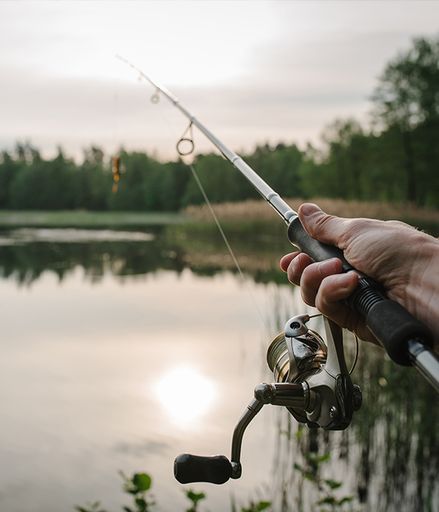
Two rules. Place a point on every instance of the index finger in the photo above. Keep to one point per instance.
(287, 259)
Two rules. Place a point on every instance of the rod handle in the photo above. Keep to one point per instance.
(391, 324)
(194, 468)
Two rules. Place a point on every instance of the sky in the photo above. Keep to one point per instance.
(254, 72)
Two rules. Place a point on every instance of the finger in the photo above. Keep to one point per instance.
(313, 276)
(286, 260)
(297, 266)
(326, 228)
(329, 301)
(333, 289)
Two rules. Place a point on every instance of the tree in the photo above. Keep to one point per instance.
(407, 99)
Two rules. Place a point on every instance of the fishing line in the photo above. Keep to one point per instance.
(357, 346)
(216, 220)
(357, 350)
(187, 138)
(226, 240)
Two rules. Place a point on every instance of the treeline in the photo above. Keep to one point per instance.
(397, 159)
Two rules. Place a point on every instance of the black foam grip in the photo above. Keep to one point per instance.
(193, 468)
(394, 327)
(389, 322)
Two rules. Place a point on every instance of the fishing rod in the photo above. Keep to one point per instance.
(311, 376)
(407, 341)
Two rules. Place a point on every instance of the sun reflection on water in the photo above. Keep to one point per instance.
(185, 394)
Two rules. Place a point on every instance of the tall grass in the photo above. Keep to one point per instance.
(258, 209)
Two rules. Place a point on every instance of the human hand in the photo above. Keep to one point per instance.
(403, 260)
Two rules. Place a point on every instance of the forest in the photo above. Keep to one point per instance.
(395, 159)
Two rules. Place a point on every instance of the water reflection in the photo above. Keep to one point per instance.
(122, 255)
(185, 394)
(71, 236)
(94, 346)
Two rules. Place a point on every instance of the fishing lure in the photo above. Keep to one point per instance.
(115, 170)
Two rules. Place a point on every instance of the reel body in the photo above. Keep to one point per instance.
(311, 381)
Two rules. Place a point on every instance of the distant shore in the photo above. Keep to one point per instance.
(86, 219)
(243, 213)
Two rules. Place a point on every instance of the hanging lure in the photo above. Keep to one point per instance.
(116, 171)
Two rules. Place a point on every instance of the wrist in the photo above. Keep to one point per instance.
(423, 288)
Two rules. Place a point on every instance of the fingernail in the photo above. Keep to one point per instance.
(307, 209)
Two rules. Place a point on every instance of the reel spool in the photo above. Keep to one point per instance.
(296, 353)
(311, 381)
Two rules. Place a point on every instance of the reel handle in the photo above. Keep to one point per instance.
(194, 468)
(392, 325)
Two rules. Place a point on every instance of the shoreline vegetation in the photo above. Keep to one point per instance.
(235, 215)
(10, 219)
(258, 210)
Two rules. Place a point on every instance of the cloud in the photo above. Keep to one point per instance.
(313, 62)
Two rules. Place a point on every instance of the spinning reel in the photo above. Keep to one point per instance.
(311, 381)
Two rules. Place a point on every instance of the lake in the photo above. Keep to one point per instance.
(123, 349)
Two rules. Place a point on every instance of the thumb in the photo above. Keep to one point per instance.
(321, 226)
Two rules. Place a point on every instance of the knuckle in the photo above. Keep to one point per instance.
(309, 283)
(321, 223)
(293, 272)
(324, 296)
(307, 297)
(354, 227)
(296, 268)
(308, 275)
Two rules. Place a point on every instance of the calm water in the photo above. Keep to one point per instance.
(122, 350)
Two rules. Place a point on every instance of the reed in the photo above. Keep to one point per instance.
(258, 209)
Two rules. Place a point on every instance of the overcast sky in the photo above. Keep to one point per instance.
(252, 71)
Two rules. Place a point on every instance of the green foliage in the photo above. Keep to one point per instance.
(325, 486)
(407, 105)
(91, 507)
(138, 486)
(407, 93)
(257, 507)
(194, 498)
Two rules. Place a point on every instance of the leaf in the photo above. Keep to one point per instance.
(257, 507)
(346, 499)
(309, 476)
(333, 484)
(195, 497)
(262, 505)
(91, 507)
(141, 504)
(142, 481)
(299, 434)
(319, 459)
(327, 500)
(128, 509)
